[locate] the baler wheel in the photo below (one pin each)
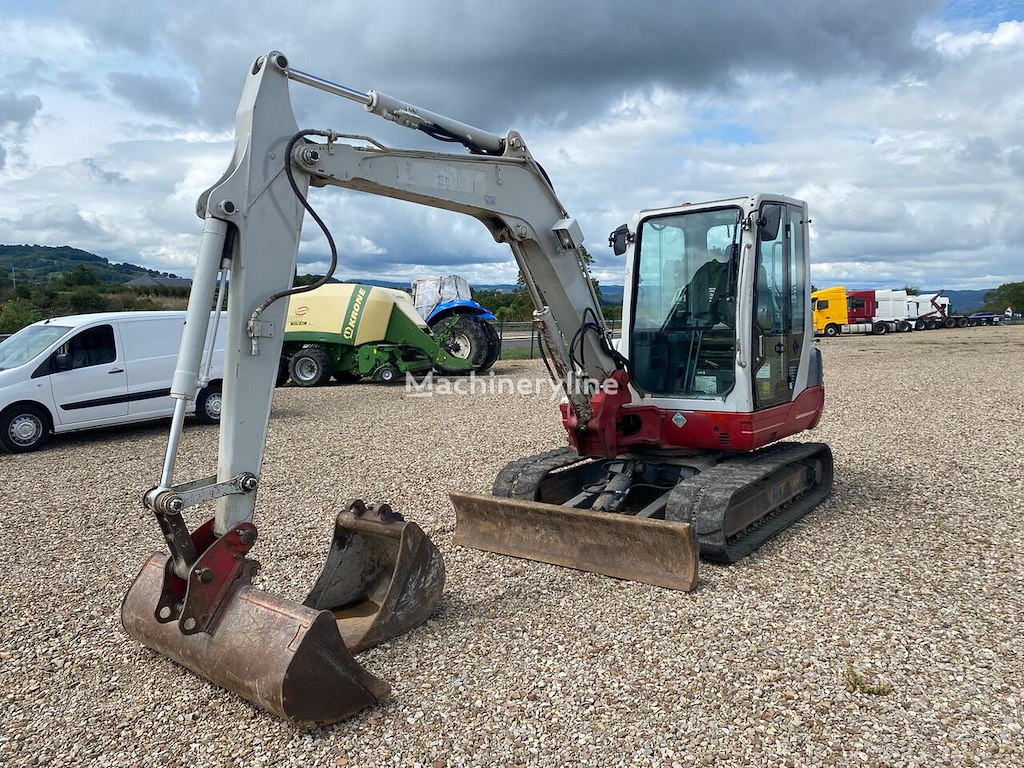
(310, 367)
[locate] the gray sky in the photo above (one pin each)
(899, 122)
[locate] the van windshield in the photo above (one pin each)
(23, 346)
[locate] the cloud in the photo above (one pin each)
(16, 116)
(899, 123)
(42, 224)
(135, 27)
(95, 167)
(17, 112)
(458, 61)
(166, 96)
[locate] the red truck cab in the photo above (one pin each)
(860, 306)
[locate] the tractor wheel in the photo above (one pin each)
(920, 325)
(24, 428)
(903, 326)
(962, 322)
(949, 322)
(931, 325)
(463, 337)
(494, 350)
(310, 367)
(880, 328)
(831, 329)
(209, 403)
(346, 377)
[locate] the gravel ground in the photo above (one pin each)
(910, 575)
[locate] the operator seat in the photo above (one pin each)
(723, 303)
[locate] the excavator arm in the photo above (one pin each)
(253, 217)
(382, 576)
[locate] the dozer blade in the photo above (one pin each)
(625, 547)
(383, 576)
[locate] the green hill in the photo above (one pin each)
(39, 263)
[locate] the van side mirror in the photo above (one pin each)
(771, 217)
(62, 362)
(618, 239)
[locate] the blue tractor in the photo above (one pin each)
(447, 306)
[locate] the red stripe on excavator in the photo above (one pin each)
(708, 430)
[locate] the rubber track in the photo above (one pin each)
(520, 479)
(703, 500)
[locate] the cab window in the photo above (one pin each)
(94, 346)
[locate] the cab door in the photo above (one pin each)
(88, 377)
(780, 305)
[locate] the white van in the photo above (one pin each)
(83, 371)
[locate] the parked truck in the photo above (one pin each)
(837, 310)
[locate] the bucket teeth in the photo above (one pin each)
(383, 577)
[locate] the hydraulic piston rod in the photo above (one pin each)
(404, 113)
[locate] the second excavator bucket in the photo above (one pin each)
(623, 546)
(383, 576)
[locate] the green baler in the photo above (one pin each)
(351, 331)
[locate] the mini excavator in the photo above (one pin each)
(676, 432)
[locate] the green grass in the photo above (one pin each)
(518, 353)
(858, 683)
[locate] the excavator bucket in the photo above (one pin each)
(623, 546)
(383, 576)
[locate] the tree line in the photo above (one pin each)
(76, 292)
(1006, 295)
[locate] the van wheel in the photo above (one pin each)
(24, 428)
(209, 403)
(310, 367)
(831, 329)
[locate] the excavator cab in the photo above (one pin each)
(692, 296)
(684, 462)
(682, 338)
